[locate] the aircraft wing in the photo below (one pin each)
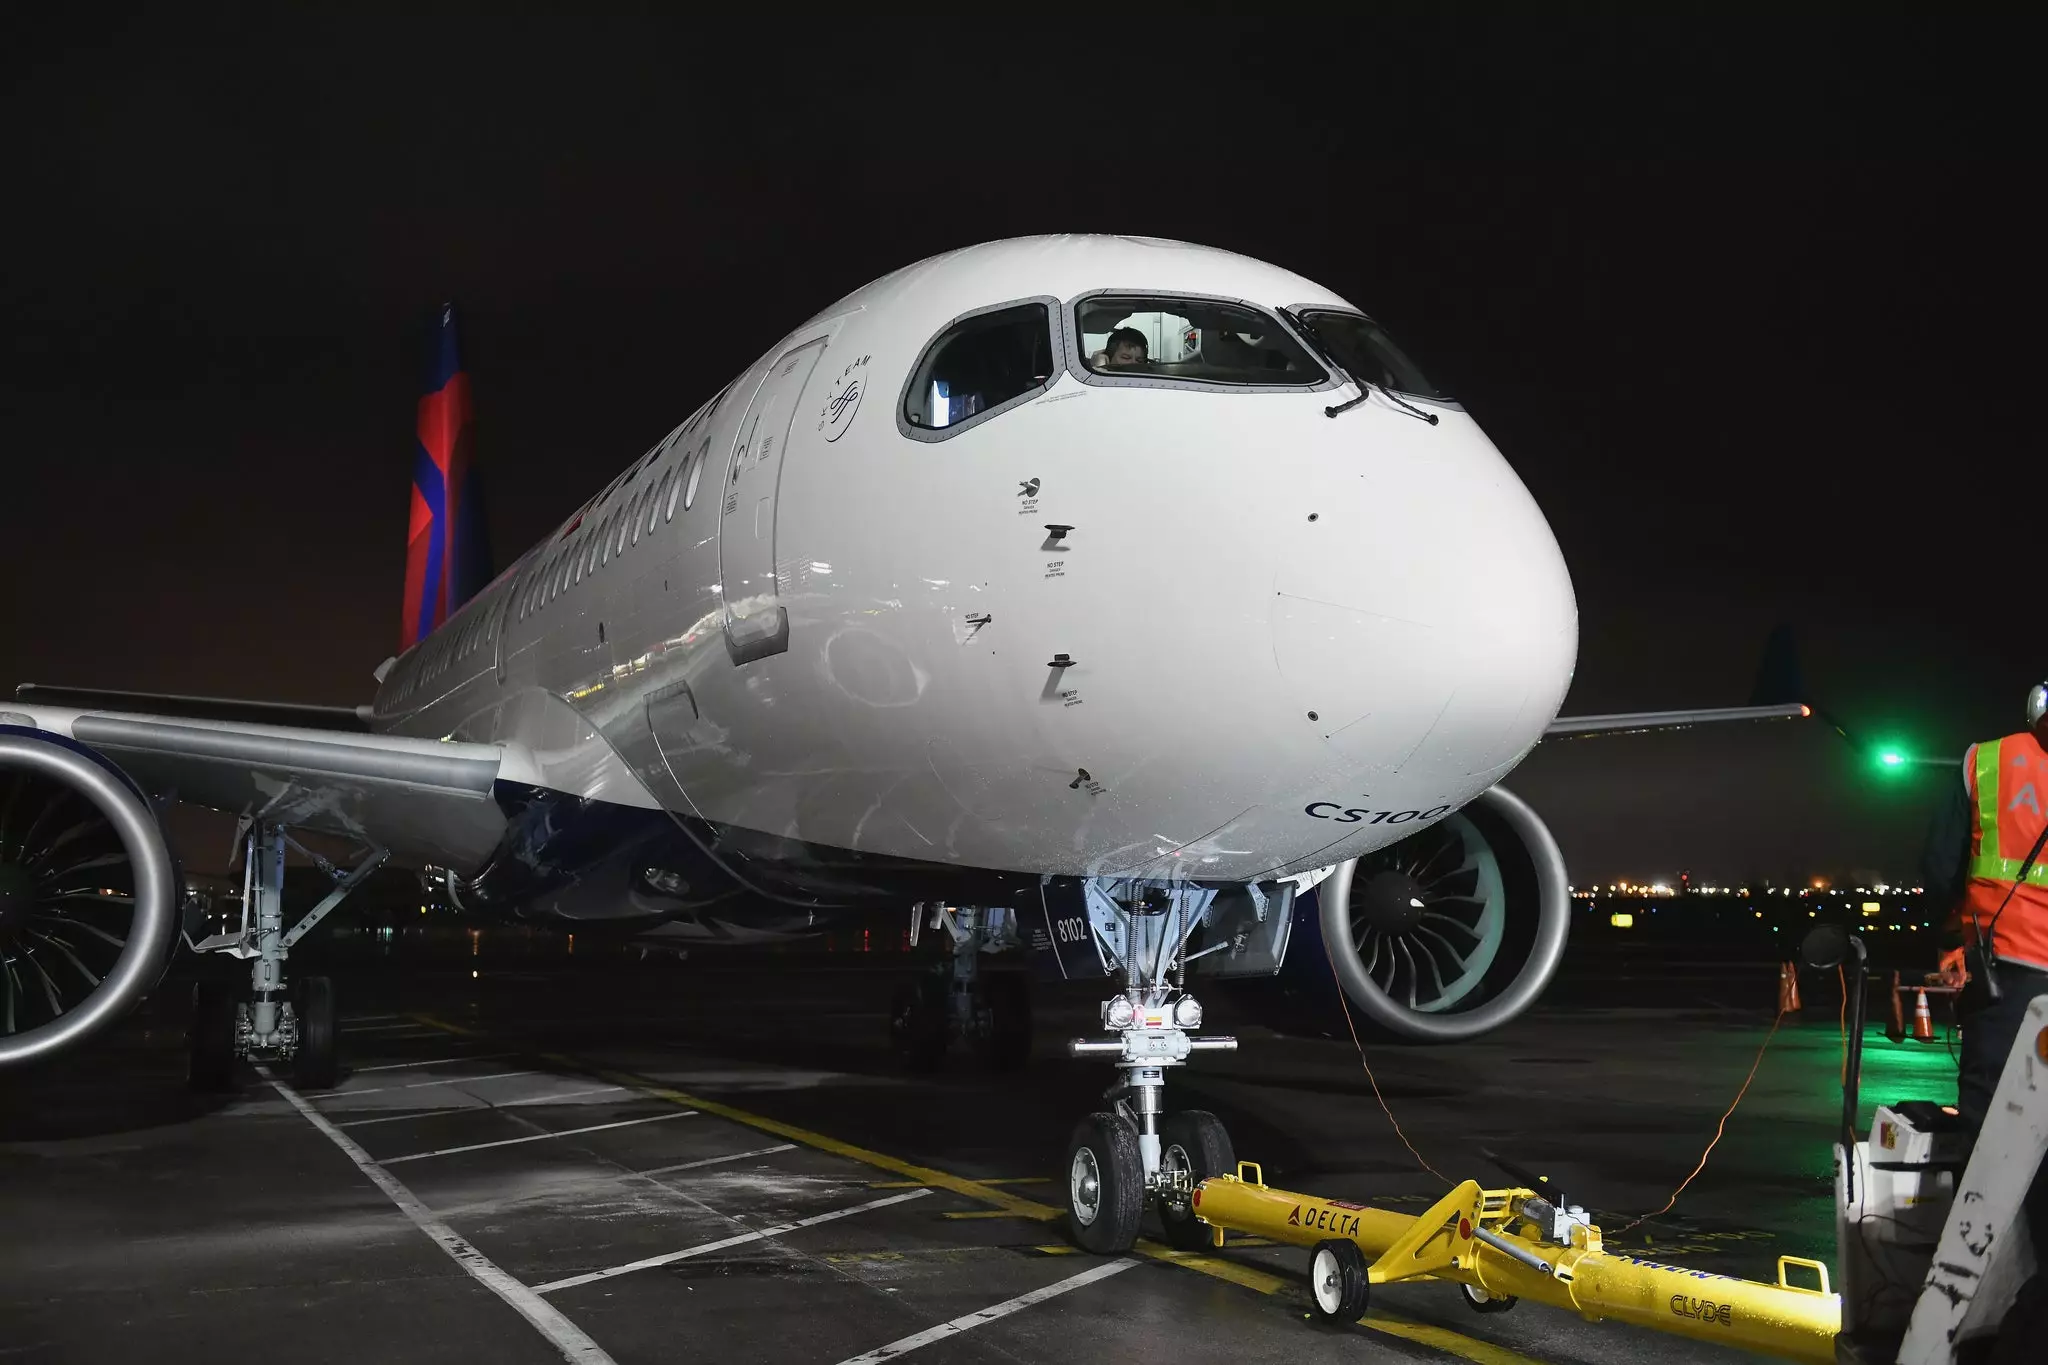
(424, 800)
(1636, 722)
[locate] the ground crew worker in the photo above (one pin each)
(1997, 927)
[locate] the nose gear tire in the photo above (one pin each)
(1105, 1185)
(1337, 1282)
(1193, 1140)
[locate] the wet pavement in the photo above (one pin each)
(688, 1160)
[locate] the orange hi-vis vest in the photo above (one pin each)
(2008, 785)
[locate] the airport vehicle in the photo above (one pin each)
(946, 602)
(1932, 1241)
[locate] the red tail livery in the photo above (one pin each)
(447, 557)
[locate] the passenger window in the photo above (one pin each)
(696, 472)
(979, 364)
(1192, 339)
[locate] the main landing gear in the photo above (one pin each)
(990, 1011)
(296, 1026)
(1132, 1153)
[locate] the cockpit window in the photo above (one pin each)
(1134, 337)
(979, 365)
(1363, 347)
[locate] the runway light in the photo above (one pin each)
(472, 974)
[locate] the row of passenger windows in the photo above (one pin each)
(474, 628)
(993, 358)
(592, 545)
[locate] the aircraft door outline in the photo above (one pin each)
(756, 623)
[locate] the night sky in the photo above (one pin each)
(1751, 307)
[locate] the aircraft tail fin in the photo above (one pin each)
(447, 553)
(1778, 677)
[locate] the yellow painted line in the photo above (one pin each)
(921, 1175)
(1056, 1250)
(1008, 1205)
(1444, 1339)
(1247, 1276)
(978, 1213)
(1003, 1180)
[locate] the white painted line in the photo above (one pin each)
(560, 1332)
(478, 1108)
(550, 1099)
(718, 1160)
(724, 1242)
(431, 1061)
(973, 1320)
(423, 1085)
(539, 1137)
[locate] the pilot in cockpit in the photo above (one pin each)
(1125, 349)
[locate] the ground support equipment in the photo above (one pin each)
(1501, 1246)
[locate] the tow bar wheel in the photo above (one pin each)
(1479, 1301)
(1105, 1185)
(1338, 1287)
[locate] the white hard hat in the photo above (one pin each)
(2037, 704)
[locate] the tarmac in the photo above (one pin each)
(702, 1160)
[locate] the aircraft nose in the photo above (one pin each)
(1422, 610)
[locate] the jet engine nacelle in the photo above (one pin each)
(1453, 931)
(1446, 935)
(89, 895)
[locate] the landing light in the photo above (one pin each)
(1119, 1013)
(1187, 1012)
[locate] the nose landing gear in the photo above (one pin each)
(1120, 1158)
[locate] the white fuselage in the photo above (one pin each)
(1291, 638)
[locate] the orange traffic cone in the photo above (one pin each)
(1788, 987)
(1923, 1021)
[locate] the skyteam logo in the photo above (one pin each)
(844, 399)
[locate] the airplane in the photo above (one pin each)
(1135, 604)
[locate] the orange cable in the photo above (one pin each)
(1719, 1128)
(1346, 1005)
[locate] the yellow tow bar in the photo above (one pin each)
(1493, 1242)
